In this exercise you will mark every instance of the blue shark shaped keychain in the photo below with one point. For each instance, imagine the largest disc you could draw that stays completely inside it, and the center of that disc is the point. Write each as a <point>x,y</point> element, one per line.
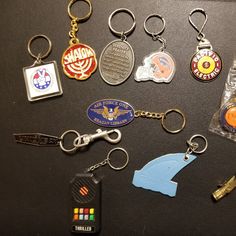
<point>156,175</point>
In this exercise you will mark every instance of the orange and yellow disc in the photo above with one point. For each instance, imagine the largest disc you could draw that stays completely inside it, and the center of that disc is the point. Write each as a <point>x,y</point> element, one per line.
<point>228,117</point>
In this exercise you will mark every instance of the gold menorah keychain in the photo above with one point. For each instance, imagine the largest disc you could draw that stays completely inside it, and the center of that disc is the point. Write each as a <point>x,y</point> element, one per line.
<point>79,60</point>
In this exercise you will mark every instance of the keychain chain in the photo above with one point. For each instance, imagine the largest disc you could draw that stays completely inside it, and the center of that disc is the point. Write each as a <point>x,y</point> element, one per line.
<point>147,114</point>
<point>156,37</point>
<point>73,31</point>
<point>96,166</point>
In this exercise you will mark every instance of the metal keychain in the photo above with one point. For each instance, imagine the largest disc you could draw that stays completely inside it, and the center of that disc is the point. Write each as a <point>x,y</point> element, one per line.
<point>159,66</point>
<point>116,113</point>
<point>157,174</point>
<point>205,64</point>
<point>79,60</point>
<point>42,79</point>
<point>108,161</point>
<point>116,62</point>
<point>42,140</point>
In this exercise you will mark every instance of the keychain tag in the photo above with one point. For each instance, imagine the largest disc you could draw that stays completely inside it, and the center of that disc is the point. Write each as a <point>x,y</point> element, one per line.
<point>159,66</point>
<point>42,79</point>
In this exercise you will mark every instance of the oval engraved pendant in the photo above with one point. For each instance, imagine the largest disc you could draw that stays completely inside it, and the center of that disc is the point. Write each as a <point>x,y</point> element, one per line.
<point>206,65</point>
<point>79,61</point>
<point>116,62</point>
<point>110,113</point>
<point>158,67</point>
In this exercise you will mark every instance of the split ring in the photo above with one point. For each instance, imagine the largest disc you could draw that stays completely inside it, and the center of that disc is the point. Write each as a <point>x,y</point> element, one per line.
<point>202,137</point>
<point>109,158</point>
<point>62,139</point>
<point>124,32</point>
<point>40,55</point>
<point>165,117</point>
<point>154,33</point>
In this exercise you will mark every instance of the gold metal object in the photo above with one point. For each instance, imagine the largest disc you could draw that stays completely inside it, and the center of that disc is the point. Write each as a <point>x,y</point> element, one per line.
<point>225,189</point>
<point>162,117</point>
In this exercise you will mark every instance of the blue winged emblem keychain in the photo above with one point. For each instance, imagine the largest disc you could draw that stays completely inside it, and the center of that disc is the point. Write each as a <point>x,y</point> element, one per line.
<point>157,174</point>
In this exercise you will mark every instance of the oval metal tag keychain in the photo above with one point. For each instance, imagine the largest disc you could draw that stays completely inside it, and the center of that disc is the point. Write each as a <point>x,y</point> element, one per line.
<point>116,62</point>
<point>205,64</point>
<point>116,113</point>
<point>79,60</point>
<point>159,66</point>
<point>42,79</point>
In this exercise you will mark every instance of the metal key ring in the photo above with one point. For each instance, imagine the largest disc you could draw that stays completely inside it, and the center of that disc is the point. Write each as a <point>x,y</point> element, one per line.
<point>154,33</point>
<point>199,136</point>
<point>80,18</point>
<point>124,32</point>
<point>40,55</point>
<point>62,139</point>
<point>109,159</point>
<point>165,116</point>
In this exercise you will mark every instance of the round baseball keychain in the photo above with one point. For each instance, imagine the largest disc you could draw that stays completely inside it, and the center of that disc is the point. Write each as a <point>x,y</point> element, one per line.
<point>79,60</point>
<point>205,64</point>
<point>159,66</point>
<point>116,62</point>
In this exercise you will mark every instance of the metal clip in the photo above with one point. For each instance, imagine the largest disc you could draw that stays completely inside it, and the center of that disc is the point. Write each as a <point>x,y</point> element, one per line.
<point>88,138</point>
<point>225,189</point>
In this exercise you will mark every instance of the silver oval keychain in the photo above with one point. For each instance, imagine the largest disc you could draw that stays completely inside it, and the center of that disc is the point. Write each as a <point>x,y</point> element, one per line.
<point>205,64</point>
<point>116,62</point>
<point>159,66</point>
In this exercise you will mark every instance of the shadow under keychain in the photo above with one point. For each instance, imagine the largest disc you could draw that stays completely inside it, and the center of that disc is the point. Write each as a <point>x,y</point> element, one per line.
<point>116,113</point>
<point>116,62</point>
<point>159,66</point>
<point>156,175</point>
<point>205,64</point>
<point>86,196</point>
<point>42,79</point>
<point>79,60</point>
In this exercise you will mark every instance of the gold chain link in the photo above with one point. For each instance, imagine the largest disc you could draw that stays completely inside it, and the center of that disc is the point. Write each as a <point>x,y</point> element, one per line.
<point>73,31</point>
<point>147,114</point>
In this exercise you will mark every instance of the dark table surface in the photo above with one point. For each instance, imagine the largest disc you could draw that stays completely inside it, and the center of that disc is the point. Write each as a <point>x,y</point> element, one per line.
<point>34,182</point>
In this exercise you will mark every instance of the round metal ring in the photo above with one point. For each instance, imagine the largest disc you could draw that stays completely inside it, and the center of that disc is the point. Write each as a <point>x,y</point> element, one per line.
<point>80,18</point>
<point>124,32</point>
<point>199,136</point>
<point>40,54</point>
<point>154,33</point>
<point>109,159</point>
<point>62,138</point>
<point>165,116</point>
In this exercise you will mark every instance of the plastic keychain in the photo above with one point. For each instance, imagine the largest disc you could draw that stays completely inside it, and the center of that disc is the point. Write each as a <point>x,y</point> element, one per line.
<point>116,113</point>
<point>116,62</point>
<point>79,60</point>
<point>159,66</point>
<point>42,79</point>
<point>205,64</point>
<point>86,197</point>
<point>42,140</point>
<point>157,174</point>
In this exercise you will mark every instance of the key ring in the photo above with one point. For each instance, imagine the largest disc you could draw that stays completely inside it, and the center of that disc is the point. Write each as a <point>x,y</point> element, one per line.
<point>200,35</point>
<point>165,116</point>
<point>81,19</point>
<point>194,146</point>
<point>61,143</point>
<point>40,55</point>
<point>124,33</point>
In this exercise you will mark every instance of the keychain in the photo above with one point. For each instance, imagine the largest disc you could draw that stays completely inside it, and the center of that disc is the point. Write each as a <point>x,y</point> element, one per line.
<point>42,140</point>
<point>116,62</point>
<point>116,113</point>
<point>159,66</point>
<point>156,175</point>
<point>79,60</point>
<point>42,79</point>
<point>86,196</point>
<point>205,64</point>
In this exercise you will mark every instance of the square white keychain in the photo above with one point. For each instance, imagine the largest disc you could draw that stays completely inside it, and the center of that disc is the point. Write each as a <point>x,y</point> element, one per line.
<point>42,79</point>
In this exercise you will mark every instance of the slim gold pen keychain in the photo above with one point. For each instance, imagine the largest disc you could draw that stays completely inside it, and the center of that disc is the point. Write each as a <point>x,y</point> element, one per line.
<point>79,60</point>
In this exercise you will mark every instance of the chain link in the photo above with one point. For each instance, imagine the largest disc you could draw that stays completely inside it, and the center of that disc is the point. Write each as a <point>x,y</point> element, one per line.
<point>147,114</point>
<point>73,31</point>
<point>96,166</point>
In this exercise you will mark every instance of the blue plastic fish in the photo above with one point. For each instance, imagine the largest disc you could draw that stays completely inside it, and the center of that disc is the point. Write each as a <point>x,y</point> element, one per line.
<point>156,175</point>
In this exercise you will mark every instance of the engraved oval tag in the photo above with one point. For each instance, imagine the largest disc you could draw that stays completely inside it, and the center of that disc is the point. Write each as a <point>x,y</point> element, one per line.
<point>79,61</point>
<point>110,113</point>
<point>206,65</point>
<point>116,62</point>
<point>158,67</point>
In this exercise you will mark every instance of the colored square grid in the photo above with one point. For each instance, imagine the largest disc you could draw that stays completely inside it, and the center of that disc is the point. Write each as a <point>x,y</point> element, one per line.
<point>91,217</point>
<point>81,217</point>
<point>86,217</point>
<point>86,211</point>
<point>81,210</point>
<point>76,210</point>
<point>91,211</point>
<point>76,217</point>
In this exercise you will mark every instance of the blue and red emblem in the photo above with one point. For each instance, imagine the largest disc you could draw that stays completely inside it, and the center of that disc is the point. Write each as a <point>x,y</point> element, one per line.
<point>41,79</point>
<point>110,113</point>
